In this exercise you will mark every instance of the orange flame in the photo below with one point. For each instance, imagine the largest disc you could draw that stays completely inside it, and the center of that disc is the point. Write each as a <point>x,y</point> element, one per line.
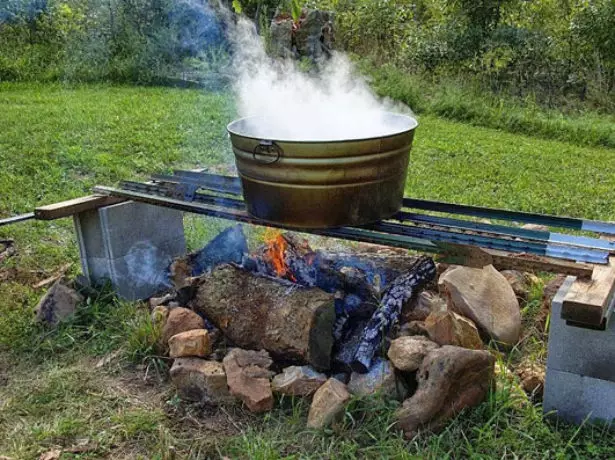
<point>275,252</point>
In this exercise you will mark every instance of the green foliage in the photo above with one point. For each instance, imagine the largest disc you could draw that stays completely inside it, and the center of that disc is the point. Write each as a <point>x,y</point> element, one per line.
<point>61,140</point>
<point>141,41</point>
<point>457,100</point>
<point>237,6</point>
<point>551,51</point>
<point>506,425</point>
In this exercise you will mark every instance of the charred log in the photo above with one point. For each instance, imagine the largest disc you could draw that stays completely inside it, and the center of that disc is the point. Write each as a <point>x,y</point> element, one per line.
<point>387,314</point>
<point>346,346</point>
<point>293,323</point>
<point>229,246</point>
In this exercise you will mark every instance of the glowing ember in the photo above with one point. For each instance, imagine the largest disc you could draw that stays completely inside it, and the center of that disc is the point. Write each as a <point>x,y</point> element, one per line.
<point>275,253</point>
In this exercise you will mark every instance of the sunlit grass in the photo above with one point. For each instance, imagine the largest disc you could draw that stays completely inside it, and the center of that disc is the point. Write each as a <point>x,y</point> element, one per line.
<point>56,142</point>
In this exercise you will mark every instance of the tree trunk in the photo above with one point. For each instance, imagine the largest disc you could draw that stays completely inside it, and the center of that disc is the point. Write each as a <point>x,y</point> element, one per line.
<point>291,322</point>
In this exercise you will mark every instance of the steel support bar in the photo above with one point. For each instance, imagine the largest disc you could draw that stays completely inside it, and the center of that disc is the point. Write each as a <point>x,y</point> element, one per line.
<point>15,219</point>
<point>503,214</point>
<point>233,185</point>
<point>349,233</point>
<point>498,237</point>
<point>503,230</point>
<point>388,229</point>
<point>492,242</point>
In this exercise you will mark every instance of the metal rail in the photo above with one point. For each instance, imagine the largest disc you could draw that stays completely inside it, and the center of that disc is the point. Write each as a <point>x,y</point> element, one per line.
<point>232,213</point>
<point>15,219</point>
<point>435,230</point>
<point>506,231</point>
<point>596,226</point>
<point>228,184</point>
<point>217,195</point>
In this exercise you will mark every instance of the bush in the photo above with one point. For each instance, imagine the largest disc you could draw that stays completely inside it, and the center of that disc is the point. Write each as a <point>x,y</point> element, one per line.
<point>119,40</point>
<point>555,54</point>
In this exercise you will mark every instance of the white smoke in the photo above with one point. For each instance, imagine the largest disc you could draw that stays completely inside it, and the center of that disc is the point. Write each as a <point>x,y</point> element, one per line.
<point>290,104</point>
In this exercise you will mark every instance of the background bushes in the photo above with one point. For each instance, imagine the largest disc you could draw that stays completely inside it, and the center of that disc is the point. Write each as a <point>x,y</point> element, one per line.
<point>559,53</point>
<point>117,40</point>
<point>556,53</point>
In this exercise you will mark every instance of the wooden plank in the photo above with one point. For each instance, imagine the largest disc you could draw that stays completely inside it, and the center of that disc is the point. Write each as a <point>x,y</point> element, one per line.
<point>587,301</point>
<point>473,256</point>
<point>75,206</point>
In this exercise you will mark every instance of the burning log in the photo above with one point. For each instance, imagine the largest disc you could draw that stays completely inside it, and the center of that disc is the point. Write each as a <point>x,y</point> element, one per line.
<point>402,288</point>
<point>229,246</point>
<point>291,322</point>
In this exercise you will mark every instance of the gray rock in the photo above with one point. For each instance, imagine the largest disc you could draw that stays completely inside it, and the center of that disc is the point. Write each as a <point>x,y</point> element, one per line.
<point>449,380</point>
<point>381,379</point>
<point>485,297</point>
<point>248,378</point>
<point>407,353</point>
<point>298,381</point>
<point>281,31</point>
<point>419,308</point>
<point>57,304</point>
<point>328,404</point>
<point>200,380</point>
<point>449,328</point>
<point>180,320</point>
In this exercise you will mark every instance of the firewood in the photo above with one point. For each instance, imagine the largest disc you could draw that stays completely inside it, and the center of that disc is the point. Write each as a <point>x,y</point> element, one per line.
<point>291,322</point>
<point>387,314</point>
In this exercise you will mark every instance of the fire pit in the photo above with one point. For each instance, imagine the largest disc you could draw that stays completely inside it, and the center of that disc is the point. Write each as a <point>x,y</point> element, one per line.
<point>325,181</point>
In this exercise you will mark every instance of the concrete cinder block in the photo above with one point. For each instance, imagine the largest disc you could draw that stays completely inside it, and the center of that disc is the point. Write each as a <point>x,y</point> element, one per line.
<point>580,380</point>
<point>578,350</point>
<point>575,398</point>
<point>126,224</point>
<point>130,245</point>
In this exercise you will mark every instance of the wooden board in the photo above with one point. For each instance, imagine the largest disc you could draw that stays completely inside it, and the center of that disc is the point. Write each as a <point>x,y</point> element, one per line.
<point>473,256</point>
<point>75,206</point>
<point>587,301</point>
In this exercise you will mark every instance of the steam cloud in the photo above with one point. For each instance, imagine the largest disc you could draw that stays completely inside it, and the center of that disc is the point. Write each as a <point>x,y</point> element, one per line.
<point>289,104</point>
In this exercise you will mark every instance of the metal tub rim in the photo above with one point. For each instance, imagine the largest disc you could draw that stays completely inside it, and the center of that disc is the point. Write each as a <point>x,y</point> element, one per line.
<point>233,128</point>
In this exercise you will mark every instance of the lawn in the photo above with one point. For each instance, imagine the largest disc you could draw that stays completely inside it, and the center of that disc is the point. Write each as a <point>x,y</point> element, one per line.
<point>73,386</point>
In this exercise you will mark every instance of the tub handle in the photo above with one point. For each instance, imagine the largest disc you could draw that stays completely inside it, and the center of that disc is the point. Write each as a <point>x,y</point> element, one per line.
<point>268,152</point>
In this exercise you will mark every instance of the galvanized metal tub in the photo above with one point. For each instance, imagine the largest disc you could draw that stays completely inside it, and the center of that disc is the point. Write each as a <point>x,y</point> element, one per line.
<point>320,184</point>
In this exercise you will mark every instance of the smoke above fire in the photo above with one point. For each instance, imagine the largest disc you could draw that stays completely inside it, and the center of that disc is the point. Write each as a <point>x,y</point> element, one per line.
<point>331,102</point>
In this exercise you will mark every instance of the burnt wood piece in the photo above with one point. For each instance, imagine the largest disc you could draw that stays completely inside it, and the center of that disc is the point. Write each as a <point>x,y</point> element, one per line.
<point>70,207</point>
<point>389,310</point>
<point>293,323</point>
<point>346,346</point>
<point>587,301</point>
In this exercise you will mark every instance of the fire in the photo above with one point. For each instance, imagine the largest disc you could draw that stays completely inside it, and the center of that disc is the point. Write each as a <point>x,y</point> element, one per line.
<point>275,252</point>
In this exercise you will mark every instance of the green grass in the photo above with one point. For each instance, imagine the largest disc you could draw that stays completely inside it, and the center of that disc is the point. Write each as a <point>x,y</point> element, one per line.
<point>56,142</point>
<point>474,165</point>
<point>458,101</point>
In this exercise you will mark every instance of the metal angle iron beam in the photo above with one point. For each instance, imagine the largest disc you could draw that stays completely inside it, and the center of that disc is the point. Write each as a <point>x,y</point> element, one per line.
<point>233,185</point>
<point>15,219</point>
<point>355,234</point>
<point>595,226</point>
<point>503,230</point>
<point>491,242</point>
<point>554,240</point>
<point>423,233</point>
